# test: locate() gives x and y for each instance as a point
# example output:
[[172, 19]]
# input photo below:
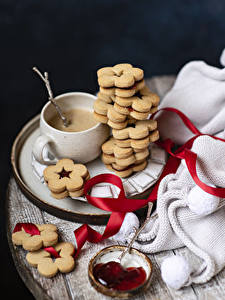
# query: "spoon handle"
[[138, 230], [51, 98]]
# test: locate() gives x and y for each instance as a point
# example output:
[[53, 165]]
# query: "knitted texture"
[[199, 93], [174, 225]]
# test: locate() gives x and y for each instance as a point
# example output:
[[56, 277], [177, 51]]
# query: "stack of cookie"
[[124, 103]]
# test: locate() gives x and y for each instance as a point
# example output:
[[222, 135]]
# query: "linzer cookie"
[[127, 171], [49, 267], [137, 136], [140, 106], [113, 110], [66, 178], [123, 157], [123, 80], [48, 237], [136, 157], [104, 112], [125, 92], [121, 75]]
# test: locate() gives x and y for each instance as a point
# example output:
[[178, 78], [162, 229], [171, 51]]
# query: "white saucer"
[[28, 173]]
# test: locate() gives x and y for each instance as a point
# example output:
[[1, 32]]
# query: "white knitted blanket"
[[199, 92], [188, 216]]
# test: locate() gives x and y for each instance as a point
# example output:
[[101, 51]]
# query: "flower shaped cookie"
[[48, 237], [127, 171], [66, 178], [123, 92], [140, 106], [49, 267], [123, 157], [137, 135], [121, 76], [114, 110], [104, 112]]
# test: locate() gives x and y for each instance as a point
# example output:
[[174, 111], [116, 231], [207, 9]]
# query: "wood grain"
[[75, 285]]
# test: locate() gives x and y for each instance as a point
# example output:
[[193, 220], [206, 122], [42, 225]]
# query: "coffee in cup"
[[79, 120], [81, 140]]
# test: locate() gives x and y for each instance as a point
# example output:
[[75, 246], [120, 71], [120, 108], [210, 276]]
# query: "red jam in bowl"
[[113, 275]]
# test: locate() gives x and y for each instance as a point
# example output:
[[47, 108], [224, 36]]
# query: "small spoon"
[[138, 230], [51, 98]]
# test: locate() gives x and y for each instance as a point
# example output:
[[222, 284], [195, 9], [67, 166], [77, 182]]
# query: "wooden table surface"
[[75, 285]]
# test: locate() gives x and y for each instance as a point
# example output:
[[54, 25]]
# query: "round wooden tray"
[[75, 285]]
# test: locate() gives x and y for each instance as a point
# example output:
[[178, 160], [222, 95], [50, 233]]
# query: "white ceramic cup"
[[83, 146]]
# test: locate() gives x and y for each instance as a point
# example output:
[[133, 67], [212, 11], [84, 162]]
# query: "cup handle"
[[38, 148]]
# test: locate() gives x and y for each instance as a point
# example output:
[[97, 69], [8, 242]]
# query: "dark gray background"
[[71, 40]]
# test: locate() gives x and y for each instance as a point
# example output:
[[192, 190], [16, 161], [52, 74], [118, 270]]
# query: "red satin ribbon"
[[52, 251], [28, 228], [190, 157], [121, 205], [118, 206]]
